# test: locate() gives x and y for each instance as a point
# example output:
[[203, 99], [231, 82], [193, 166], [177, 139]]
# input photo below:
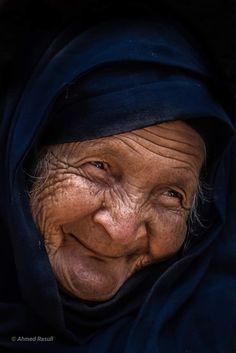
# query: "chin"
[[92, 292], [101, 288], [89, 278]]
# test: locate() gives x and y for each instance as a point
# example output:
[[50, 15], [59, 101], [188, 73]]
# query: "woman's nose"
[[124, 224]]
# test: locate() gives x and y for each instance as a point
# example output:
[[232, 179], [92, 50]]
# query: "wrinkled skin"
[[108, 207]]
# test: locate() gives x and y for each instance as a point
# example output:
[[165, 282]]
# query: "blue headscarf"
[[100, 81]]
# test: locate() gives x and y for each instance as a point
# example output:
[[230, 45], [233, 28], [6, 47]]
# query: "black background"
[[214, 20]]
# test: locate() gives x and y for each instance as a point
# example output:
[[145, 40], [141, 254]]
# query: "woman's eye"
[[171, 198], [97, 169], [99, 165], [174, 194]]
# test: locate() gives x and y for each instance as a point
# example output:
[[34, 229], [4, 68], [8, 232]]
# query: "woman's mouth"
[[92, 250]]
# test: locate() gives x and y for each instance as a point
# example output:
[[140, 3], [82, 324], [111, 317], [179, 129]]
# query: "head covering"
[[94, 82]]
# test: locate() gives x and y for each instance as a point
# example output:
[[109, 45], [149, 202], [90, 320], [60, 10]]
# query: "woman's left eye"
[[174, 194]]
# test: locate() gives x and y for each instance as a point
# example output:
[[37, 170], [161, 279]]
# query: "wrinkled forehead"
[[176, 135], [174, 143]]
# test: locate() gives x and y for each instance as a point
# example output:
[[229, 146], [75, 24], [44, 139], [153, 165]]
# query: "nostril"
[[122, 228], [102, 217], [141, 231]]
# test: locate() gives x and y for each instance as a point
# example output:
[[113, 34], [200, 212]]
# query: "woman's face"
[[108, 207]]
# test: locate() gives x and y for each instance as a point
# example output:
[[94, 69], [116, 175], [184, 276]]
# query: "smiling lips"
[[94, 251]]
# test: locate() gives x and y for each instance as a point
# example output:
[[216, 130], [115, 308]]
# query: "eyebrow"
[[108, 148], [104, 148], [185, 179]]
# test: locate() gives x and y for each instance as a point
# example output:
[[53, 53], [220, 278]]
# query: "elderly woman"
[[111, 241]]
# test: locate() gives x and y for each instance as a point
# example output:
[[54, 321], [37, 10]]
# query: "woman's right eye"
[[99, 164], [97, 170]]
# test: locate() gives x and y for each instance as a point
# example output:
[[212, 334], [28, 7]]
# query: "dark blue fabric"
[[96, 82]]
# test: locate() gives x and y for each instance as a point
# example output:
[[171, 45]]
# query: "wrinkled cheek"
[[61, 204], [168, 238]]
